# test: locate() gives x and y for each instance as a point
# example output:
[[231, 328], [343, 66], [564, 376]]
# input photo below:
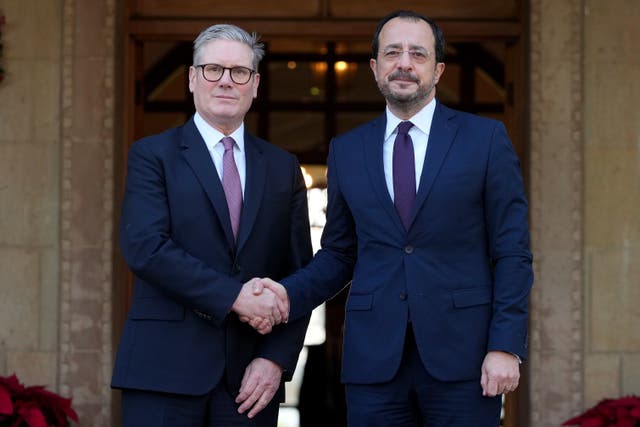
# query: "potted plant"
[[622, 412], [22, 406]]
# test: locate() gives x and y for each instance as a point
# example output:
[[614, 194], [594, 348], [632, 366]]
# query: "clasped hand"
[[263, 304]]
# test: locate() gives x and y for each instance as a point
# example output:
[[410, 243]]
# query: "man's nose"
[[404, 61], [226, 77]]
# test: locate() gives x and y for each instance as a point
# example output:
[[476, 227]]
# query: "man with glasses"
[[207, 208], [427, 217]]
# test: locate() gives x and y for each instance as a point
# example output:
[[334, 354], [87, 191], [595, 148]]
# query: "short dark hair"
[[413, 16]]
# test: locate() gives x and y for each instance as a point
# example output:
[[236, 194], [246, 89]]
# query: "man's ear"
[[439, 70]]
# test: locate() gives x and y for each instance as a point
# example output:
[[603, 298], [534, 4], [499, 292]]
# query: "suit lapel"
[[373, 142], [197, 156], [256, 172], [440, 139]]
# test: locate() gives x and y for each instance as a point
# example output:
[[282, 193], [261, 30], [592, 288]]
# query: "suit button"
[[408, 249], [403, 296]]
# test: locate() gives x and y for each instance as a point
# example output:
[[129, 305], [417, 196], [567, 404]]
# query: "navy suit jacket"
[[176, 237], [461, 273]]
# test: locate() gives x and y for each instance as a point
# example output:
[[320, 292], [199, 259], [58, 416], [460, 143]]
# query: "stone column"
[[86, 207], [556, 198]]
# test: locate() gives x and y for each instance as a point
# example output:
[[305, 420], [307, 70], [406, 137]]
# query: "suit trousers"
[[141, 408], [415, 398]]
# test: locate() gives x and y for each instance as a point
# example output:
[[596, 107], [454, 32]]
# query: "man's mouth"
[[403, 78]]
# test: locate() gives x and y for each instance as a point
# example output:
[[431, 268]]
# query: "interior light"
[[341, 66]]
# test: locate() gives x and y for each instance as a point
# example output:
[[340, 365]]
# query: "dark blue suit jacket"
[[176, 237], [462, 272]]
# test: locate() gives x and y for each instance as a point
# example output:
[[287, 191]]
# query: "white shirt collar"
[[212, 136], [421, 120]]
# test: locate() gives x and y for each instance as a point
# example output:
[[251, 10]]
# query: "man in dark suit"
[[208, 207], [427, 217]]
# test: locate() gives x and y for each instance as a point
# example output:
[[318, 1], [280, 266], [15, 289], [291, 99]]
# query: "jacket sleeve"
[[284, 343], [150, 251], [508, 231], [332, 267]]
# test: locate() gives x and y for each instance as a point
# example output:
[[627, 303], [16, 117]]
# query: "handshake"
[[262, 303]]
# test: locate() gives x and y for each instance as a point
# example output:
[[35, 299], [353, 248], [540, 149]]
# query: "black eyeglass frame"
[[251, 73]]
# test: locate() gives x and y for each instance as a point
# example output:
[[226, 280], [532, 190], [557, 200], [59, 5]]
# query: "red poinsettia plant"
[[622, 412], [33, 406]]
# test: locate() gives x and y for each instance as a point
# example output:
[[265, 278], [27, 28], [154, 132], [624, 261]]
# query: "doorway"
[[320, 86]]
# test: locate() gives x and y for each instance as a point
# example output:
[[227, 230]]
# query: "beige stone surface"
[[90, 44], [612, 31], [32, 30], [602, 377], [29, 191], [34, 367], [556, 405], [49, 299], [31, 56], [555, 332], [19, 299], [16, 116], [93, 415], [86, 194], [86, 303], [88, 96], [614, 312], [631, 374], [86, 376], [556, 382], [612, 119], [612, 196], [44, 89]]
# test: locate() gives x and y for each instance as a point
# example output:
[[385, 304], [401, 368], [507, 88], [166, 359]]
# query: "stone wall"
[[612, 199], [585, 199], [86, 206], [30, 190], [556, 341], [56, 186]]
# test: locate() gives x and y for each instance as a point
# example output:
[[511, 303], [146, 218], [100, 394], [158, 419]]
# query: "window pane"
[[297, 132], [159, 122], [355, 82], [251, 122], [166, 66], [448, 89], [297, 81], [347, 121]]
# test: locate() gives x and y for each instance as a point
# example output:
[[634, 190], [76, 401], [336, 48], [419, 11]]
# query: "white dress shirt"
[[419, 133], [212, 138]]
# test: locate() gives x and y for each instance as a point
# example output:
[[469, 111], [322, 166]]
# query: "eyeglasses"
[[214, 72], [419, 56]]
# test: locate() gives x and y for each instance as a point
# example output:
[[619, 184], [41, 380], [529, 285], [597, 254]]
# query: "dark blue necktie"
[[404, 173]]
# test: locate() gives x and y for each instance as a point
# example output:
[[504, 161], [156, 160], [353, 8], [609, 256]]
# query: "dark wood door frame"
[[136, 31]]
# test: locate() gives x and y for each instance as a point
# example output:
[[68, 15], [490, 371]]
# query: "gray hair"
[[229, 32]]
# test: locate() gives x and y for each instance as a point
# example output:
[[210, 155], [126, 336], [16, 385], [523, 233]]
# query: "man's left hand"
[[260, 382], [500, 373]]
